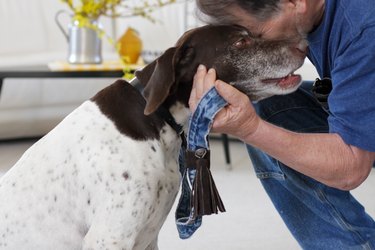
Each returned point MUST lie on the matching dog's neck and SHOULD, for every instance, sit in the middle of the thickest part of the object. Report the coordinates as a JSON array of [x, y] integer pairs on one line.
[[173, 111], [177, 121], [180, 113], [177, 102]]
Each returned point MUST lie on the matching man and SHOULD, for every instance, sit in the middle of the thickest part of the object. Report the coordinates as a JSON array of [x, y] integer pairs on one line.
[[308, 158]]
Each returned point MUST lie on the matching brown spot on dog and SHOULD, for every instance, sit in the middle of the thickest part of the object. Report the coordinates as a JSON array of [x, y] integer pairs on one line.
[[121, 96], [126, 175]]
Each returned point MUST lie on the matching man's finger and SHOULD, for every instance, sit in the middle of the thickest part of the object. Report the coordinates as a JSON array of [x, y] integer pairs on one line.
[[198, 83], [193, 100], [209, 80]]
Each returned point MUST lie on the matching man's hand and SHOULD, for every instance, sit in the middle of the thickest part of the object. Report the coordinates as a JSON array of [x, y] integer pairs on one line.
[[238, 118]]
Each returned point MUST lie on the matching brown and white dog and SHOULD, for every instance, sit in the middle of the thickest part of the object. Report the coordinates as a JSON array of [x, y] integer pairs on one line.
[[106, 177]]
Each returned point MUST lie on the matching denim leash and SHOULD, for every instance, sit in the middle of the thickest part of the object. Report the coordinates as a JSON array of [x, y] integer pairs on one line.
[[199, 195]]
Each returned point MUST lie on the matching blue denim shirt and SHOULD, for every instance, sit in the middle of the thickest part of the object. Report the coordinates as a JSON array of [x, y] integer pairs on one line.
[[199, 127]]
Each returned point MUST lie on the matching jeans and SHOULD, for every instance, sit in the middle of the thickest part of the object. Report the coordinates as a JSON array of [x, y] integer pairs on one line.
[[318, 216]]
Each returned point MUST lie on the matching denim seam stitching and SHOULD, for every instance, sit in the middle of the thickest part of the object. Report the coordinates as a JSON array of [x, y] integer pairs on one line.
[[269, 174], [340, 219], [266, 175]]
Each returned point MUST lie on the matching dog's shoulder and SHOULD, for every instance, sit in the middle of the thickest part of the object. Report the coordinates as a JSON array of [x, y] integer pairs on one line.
[[124, 105]]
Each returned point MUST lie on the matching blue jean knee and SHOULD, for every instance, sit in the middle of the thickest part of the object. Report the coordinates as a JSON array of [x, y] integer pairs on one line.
[[318, 216]]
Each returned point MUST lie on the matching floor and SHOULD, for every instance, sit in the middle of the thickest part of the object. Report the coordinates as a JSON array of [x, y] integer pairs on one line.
[[250, 222]]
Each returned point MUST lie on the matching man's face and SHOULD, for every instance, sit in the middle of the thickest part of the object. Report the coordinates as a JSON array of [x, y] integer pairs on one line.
[[286, 25]]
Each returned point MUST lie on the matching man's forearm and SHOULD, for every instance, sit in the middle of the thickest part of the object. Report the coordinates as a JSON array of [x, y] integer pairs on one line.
[[324, 157]]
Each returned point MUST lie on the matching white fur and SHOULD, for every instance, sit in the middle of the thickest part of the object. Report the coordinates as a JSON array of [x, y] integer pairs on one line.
[[87, 186]]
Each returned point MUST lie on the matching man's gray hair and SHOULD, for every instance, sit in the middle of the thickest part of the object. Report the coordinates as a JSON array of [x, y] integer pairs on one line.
[[217, 11]]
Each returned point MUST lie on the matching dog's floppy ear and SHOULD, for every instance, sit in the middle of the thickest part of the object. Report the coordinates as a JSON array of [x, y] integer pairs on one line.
[[159, 77]]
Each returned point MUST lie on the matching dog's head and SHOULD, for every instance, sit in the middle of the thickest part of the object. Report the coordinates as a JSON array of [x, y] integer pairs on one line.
[[258, 68]]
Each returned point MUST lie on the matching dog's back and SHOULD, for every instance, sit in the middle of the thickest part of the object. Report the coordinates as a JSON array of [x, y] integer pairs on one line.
[[92, 173]]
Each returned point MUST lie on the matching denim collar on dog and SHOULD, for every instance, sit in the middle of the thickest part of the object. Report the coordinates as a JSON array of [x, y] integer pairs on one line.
[[199, 195]]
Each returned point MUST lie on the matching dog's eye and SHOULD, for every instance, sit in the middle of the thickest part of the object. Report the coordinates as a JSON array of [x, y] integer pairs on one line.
[[241, 43]]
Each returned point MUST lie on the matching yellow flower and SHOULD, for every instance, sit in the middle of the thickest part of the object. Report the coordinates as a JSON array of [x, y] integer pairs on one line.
[[93, 9]]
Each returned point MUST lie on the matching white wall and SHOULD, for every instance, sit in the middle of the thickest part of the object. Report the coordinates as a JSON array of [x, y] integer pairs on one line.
[[162, 34], [30, 35]]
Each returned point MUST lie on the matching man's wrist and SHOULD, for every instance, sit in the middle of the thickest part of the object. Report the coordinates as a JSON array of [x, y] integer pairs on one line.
[[251, 130]]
